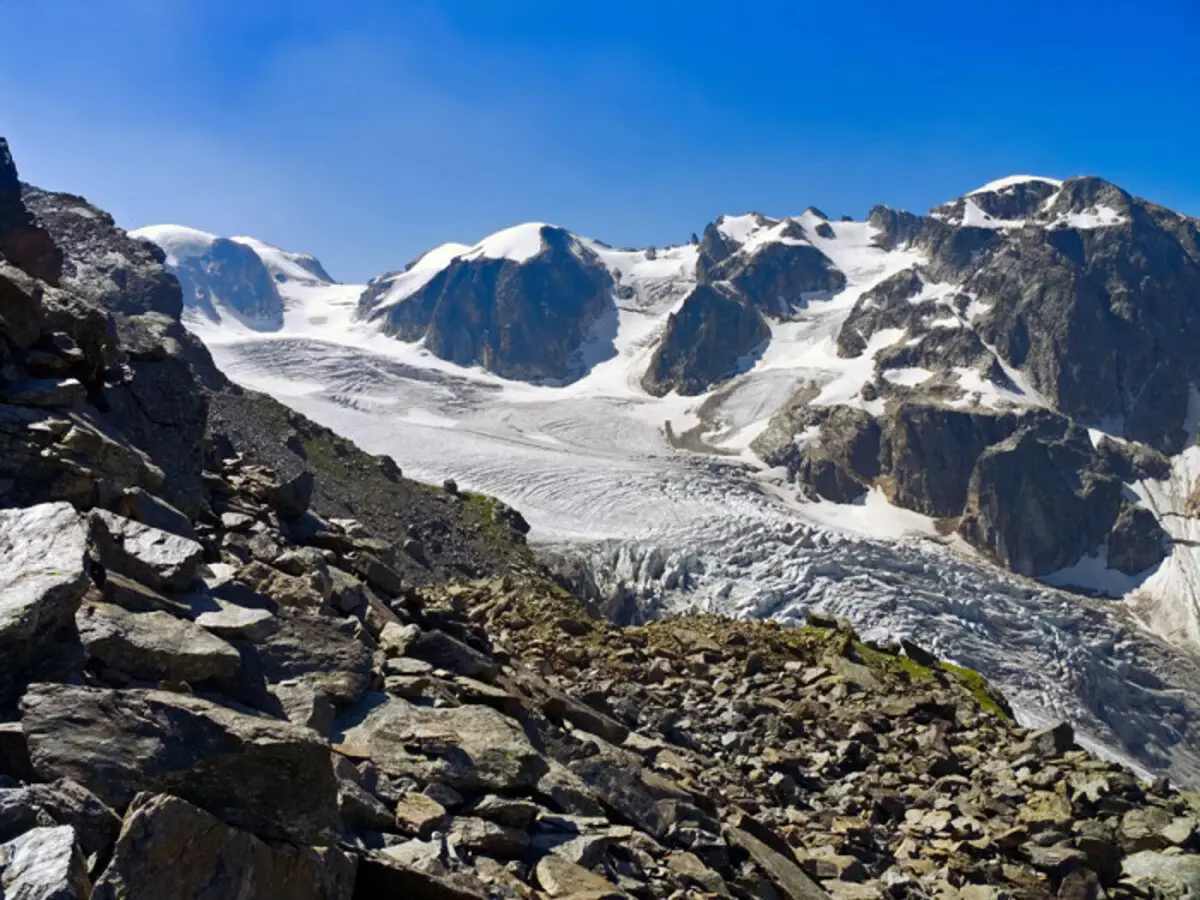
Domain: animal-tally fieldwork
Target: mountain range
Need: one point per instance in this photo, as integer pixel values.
(227, 628)
(1014, 366)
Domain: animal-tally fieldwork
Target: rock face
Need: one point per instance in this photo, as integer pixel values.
(22, 241)
(1029, 489)
(525, 319)
(709, 338)
(781, 277)
(43, 550)
(241, 768)
(1035, 503)
(220, 861)
(230, 278)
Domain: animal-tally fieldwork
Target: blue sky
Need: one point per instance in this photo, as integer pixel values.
(366, 131)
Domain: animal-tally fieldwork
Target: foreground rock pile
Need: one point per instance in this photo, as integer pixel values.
(209, 690)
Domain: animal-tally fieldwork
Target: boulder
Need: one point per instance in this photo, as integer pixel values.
(466, 747)
(69, 803)
(1172, 876)
(776, 862)
(44, 864)
(418, 815)
(43, 578)
(243, 769)
(142, 506)
(1137, 541)
(559, 877)
(384, 875)
(171, 850)
(290, 498)
(445, 652)
(157, 558)
(326, 652)
(155, 645)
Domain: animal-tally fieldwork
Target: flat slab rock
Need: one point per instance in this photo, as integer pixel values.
(171, 850)
(471, 747)
(243, 769)
(156, 558)
(155, 645)
(42, 578)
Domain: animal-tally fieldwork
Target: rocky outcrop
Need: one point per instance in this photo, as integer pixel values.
(1056, 269)
(22, 242)
(231, 279)
(1030, 489)
(220, 861)
(1036, 504)
(780, 278)
(529, 320)
(709, 338)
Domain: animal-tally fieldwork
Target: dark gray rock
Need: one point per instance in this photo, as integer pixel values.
(241, 768)
(780, 279)
(155, 645)
(103, 263)
(219, 861)
(142, 506)
(524, 320)
(709, 338)
(1137, 542)
(1036, 503)
(466, 747)
(22, 241)
(325, 652)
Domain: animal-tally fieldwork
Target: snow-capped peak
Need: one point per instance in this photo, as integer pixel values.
(1001, 184)
(178, 242)
(289, 265)
(519, 243)
(420, 272)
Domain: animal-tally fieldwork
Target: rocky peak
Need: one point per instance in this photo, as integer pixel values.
(24, 244)
(533, 303)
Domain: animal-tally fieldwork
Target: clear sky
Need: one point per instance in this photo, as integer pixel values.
(366, 131)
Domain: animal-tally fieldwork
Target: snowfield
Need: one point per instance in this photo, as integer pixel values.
(667, 506)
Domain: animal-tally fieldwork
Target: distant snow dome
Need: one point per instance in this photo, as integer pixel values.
(1001, 184)
(178, 242)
